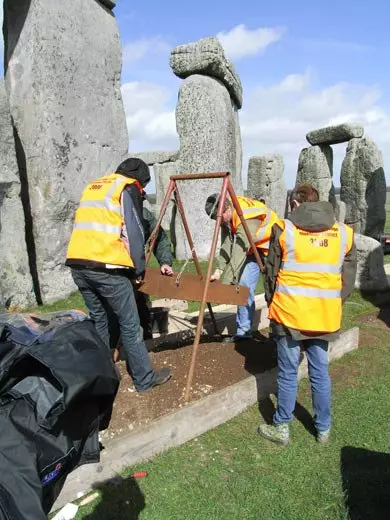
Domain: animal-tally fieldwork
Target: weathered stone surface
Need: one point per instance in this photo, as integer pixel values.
(207, 57)
(363, 187)
(315, 166)
(266, 180)
(334, 134)
(340, 211)
(371, 274)
(63, 68)
(152, 158)
(207, 126)
(15, 278)
(162, 173)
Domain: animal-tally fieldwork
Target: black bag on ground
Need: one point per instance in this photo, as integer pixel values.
(55, 396)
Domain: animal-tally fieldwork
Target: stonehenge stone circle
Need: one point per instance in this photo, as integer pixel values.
(334, 134)
(363, 187)
(15, 277)
(208, 128)
(315, 166)
(207, 57)
(63, 81)
(266, 181)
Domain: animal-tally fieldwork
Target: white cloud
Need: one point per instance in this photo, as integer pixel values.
(139, 49)
(240, 42)
(150, 116)
(275, 118)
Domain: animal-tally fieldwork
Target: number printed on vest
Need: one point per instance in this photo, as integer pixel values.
(319, 242)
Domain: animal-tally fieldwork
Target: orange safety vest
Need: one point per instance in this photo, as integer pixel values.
(308, 286)
(97, 229)
(256, 209)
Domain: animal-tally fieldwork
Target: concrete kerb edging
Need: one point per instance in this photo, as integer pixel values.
(185, 424)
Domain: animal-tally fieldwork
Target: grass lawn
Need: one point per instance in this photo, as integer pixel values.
(231, 473)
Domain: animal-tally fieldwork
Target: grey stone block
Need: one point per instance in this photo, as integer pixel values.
(371, 275)
(334, 134)
(162, 173)
(315, 167)
(363, 187)
(15, 277)
(207, 57)
(152, 158)
(207, 125)
(266, 180)
(63, 65)
(340, 211)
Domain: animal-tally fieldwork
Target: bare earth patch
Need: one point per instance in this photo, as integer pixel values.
(218, 366)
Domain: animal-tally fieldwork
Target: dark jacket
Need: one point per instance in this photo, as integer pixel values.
(55, 396)
(162, 248)
(310, 216)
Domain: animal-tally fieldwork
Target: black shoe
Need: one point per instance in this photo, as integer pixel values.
(236, 339)
(160, 377)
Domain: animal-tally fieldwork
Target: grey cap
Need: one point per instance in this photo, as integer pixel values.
(211, 206)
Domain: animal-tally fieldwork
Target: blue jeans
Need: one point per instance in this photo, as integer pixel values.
(110, 301)
(288, 363)
(245, 313)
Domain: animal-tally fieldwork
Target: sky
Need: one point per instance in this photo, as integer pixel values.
(303, 65)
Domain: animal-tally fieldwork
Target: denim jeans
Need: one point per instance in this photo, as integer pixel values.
(111, 303)
(288, 363)
(245, 313)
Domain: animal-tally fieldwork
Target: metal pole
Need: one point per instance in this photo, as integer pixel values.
(206, 287)
(154, 234)
(192, 176)
(244, 225)
(193, 252)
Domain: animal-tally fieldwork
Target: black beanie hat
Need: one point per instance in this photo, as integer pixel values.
(136, 169)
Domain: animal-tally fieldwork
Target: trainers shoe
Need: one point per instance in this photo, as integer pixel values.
(323, 437)
(160, 377)
(280, 434)
(236, 338)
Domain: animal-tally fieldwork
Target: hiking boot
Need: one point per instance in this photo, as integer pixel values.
(236, 338)
(160, 377)
(323, 437)
(280, 433)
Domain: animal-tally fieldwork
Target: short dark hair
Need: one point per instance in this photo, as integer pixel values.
(304, 193)
(211, 206)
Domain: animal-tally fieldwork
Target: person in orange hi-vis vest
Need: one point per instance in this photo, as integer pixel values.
(106, 254)
(236, 262)
(310, 272)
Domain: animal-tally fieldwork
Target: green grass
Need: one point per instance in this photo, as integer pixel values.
(231, 473)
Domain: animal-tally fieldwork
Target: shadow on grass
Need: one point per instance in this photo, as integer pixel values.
(120, 498)
(366, 483)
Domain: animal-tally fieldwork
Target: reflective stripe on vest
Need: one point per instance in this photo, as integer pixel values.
(290, 264)
(307, 291)
(95, 226)
(264, 230)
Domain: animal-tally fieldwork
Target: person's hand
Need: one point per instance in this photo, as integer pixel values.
(138, 281)
(166, 270)
(216, 275)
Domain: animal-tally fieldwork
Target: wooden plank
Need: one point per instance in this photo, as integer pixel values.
(190, 287)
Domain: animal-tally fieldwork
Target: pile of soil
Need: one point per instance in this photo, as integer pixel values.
(218, 366)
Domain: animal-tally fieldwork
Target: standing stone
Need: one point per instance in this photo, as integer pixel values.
(207, 127)
(315, 167)
(371, 276)
(334, 134)
(162, 173)
(363, 187)
(63, 65)
(340, 211)
(266, 181)
(15, 278)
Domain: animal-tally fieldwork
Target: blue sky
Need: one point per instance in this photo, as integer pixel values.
(302, 64)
